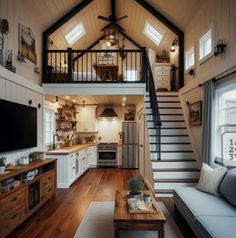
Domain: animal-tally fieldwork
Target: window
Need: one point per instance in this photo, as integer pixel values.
(205, 45)
(49, 126)
(225, 128)
(132, 75)
(154, 33)
(189, 59)
(73, 34)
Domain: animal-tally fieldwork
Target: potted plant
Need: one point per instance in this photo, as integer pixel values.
(2, 164)
(135, 184)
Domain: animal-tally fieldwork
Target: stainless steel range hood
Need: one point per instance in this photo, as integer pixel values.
(109, 113)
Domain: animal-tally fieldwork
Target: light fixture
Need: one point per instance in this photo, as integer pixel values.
(83, 105)
(124, 98)
(67, 97)
(111, 35)
(56, 98)
(123, 104)
(220, 47)
(174, 44)
(73, 100)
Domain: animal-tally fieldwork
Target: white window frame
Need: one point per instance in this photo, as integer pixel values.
(53, 129)
(68, 34)
(203, 39)
(217, 139)
(187, 54)
(133, 74)
(150, 36)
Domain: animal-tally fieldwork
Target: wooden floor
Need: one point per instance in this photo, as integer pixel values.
(61, 217)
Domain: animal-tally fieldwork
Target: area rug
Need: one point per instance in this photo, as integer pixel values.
(98, 223)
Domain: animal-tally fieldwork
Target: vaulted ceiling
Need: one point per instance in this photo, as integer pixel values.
(179, 12)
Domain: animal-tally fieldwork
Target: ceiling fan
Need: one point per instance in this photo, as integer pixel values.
(112, 19)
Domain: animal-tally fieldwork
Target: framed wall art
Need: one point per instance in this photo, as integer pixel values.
(27, 45)
(195, 114)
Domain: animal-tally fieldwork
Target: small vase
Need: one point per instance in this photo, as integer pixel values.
(2, 169)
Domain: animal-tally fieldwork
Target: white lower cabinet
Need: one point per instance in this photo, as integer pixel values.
(119, 156)
(71, 167)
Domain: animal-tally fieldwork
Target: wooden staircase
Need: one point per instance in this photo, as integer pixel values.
(177, 166)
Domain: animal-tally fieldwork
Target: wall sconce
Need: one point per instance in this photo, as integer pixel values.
(191, 72)
(187, 103)
(220, 47)
(174, 44)
(83, 105)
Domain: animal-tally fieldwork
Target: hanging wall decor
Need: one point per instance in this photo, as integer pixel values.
(27, 46)
(195, 113)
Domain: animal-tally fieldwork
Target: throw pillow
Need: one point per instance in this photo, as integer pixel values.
(210, 179)
(227, 187)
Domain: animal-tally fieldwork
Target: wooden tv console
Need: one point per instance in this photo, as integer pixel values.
(22, 201)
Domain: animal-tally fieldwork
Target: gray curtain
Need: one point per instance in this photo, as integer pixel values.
(208, 121)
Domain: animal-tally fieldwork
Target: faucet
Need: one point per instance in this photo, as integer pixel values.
(54, 143)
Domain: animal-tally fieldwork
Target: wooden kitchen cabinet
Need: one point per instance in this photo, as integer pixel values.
(86, 119)
(162, 75)
(15, 204)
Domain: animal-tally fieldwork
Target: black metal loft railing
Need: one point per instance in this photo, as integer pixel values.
(93, 66)
(150, 87)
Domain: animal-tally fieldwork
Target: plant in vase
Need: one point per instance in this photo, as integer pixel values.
(135, 184)
(2, 164)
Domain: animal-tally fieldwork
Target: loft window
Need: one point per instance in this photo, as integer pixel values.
(189, 59)
(205, 46)
(155, 34)
(74, 33)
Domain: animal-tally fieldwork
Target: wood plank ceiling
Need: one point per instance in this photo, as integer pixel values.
(133, 25)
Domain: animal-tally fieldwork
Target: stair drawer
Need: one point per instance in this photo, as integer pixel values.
(163, 72)
(13, 200)
(163, 78)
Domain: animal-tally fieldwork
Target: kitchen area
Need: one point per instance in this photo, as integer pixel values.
(91, 131)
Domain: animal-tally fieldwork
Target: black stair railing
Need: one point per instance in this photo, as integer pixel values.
(150, 87)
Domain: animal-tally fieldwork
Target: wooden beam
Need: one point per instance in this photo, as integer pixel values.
(131, 40)
(175, 29)
(90, 47)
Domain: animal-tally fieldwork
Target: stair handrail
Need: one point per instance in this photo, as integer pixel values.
(150, 86)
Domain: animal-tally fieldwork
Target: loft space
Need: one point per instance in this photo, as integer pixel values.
(107, 41)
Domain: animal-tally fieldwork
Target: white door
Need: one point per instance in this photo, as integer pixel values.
(141, 141)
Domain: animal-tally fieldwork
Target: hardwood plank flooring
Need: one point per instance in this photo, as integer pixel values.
(60, 217)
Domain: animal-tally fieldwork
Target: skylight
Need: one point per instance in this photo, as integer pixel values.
(153, 33)
(73, 34)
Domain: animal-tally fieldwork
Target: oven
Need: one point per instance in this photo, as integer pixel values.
(107, 154)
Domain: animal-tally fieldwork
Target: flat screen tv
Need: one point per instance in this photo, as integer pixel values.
(18, 125)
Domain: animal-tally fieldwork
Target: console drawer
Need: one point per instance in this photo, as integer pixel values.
(48, 179)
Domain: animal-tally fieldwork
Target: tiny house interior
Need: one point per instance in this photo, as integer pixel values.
(117, 114)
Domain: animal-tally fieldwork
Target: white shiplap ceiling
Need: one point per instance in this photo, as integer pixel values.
(178, 11)
(99, 99)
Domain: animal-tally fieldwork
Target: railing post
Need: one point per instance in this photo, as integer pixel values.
(144, 67)
(70, 66)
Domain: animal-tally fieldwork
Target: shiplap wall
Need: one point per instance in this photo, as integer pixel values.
(221, 15)
(16, 12)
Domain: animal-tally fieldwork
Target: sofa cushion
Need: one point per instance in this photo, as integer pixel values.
(228, 187)
(218, 227)
(210, 179)
(204, 204)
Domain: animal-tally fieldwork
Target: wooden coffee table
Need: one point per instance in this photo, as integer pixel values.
(123, 220)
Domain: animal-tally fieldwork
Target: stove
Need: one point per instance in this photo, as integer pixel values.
(107, 154)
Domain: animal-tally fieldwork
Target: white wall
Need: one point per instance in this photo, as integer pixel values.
(108, 129)
(17, 89)
(221, 15)
(16, 12)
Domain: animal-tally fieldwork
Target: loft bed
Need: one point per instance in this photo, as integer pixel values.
(93, 66)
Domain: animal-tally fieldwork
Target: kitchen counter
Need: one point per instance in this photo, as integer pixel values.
(70, 150)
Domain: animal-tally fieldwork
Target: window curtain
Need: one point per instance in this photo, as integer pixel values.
(208, 121)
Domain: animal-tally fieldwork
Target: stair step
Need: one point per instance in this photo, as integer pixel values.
(167, 94)
(175, 180)
(173, 185)
(172, 117)
(166, 99)
(169, 104)
(171, 111)
(164, 191)
(175, 139)
(168, 124)
(177, 170)
(171, 147)
(172, 155)
(172, 131)
(178, 174)
(173, 164)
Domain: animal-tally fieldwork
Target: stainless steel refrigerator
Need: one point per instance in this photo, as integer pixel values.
(130, 145)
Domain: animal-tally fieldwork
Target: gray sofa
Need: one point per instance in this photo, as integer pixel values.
(209, 215)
